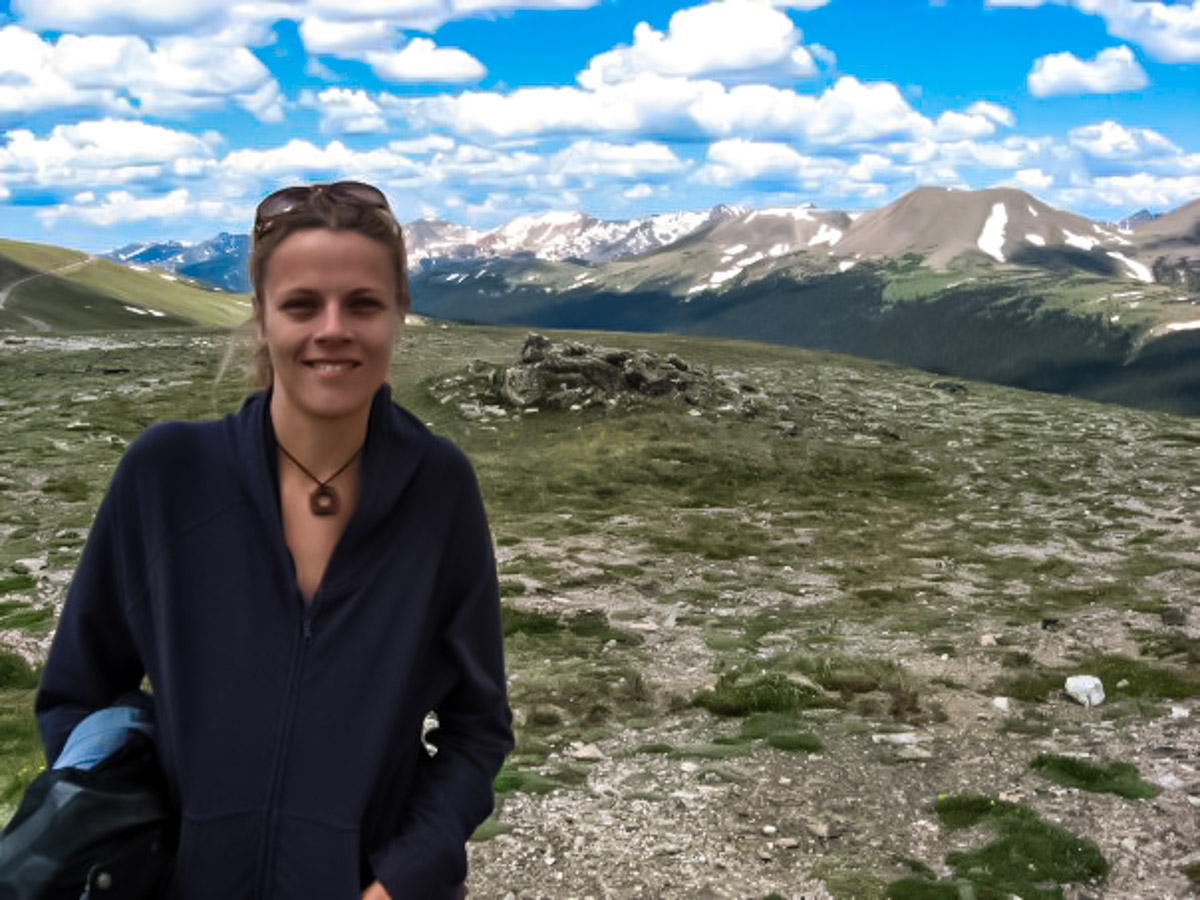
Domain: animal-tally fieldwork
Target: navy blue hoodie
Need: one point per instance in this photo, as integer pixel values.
(291, 733)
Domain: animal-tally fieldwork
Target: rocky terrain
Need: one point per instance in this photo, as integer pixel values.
(759, 618)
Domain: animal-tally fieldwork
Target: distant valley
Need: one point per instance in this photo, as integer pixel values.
(992, 285)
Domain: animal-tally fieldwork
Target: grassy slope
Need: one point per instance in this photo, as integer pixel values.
(96, 295)
(150, 290)
(40, 257)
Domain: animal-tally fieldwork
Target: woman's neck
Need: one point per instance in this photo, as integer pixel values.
(321, 444)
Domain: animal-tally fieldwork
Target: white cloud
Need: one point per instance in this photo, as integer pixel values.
(250, 21)
(430, 143)
(993, 111)
(1141, 190)
(1034, 179)
(724, 39)
(420, 60)
(956, 126)
(640, 191)
(337, 38)
(1169, 32)
(120, 207)
(122, 16)
(124, 74)
(345, 111)
(1112, 140)
(1114, 69)
(739, 161)
(106, 151)
(625, 161)
(849, 111)
(300, 160)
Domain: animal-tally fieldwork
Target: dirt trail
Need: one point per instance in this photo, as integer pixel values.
(69, 267)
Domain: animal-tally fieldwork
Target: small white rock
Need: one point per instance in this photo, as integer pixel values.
(1001, 703)
(987, 640)
(769, 830)
(1179, 712)
(1086, 689)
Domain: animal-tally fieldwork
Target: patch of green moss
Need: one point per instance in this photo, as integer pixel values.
(1027, 858)
(520, 621)
(15, 672)
(16, 583)
(772, 692)
(1116, 778)
(795, 742)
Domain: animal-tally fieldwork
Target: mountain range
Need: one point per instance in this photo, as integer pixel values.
(992, 284)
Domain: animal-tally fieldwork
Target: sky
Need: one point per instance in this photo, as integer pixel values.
(131, 120)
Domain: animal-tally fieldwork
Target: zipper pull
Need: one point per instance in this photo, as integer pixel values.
(306, 620)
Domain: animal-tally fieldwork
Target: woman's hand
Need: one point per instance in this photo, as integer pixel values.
(376, 892)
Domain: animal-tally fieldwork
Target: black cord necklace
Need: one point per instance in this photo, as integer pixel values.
(323, 501)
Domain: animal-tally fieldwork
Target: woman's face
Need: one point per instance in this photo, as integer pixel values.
(328, 321)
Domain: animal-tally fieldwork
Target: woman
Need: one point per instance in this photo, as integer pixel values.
(302, 582)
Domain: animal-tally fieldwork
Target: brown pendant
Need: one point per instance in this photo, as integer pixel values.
(323, 501)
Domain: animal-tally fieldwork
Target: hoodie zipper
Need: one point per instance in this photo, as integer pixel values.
(270, 837)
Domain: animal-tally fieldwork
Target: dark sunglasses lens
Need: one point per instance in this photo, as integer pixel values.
(282, 201)
(358, 191)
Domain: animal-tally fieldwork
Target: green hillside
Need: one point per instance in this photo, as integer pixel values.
(45, 288)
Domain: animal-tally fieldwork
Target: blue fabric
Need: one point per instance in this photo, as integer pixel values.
(105, 731)
(290, 733)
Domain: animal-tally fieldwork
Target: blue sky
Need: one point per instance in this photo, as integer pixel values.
(124, 120)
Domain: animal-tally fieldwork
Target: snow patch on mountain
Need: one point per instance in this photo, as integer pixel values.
(1083, 242)
(1137, 269)
(1036, 239)
(991, 239)
(825, 235)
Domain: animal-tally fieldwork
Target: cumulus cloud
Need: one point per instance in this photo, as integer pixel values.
(1169, 32)
(1140, 190)
(727, 40)
(337, 38)
(1033, 179)
(421, 60)
(994, 111)
(597, 159)
(848, 111)
(345, 111)
(250, 21)
(1113, 70)
(1112, 140)
(956, 126)
(127, 74)
(742, 162)
(106, 151)
(300, 160)
(119, 207)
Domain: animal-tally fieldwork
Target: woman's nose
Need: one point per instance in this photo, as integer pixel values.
(333, 322)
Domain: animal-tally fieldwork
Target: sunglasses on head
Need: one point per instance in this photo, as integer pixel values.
(288, 199)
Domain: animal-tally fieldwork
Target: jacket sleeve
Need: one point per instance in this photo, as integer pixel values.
(427, 856)
(93, 658)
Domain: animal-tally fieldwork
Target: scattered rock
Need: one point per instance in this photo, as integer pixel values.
(1085, 689)
(769, 830)
(987, 640)
(586, 752)
(1174, 617)
(1001, 703)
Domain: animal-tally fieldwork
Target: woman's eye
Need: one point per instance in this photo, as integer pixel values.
(298, 307)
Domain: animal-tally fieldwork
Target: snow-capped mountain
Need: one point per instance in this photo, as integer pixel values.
(220, 261)
(724, 246)
(1005, 224)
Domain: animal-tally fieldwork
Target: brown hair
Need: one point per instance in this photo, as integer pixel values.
(320, 210)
